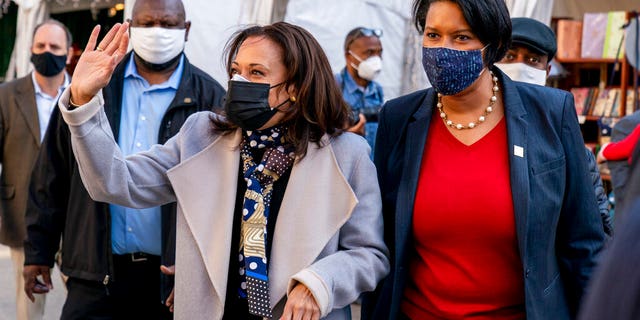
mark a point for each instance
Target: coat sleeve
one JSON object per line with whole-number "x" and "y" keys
{"x": 601, "y": 196}
{"x": 580, "y": 235}
{"x": 137, "y": 181}
{"x": 48, "y": 195}
{"x": 363, "y": 256}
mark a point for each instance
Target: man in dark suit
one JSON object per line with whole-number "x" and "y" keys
{"x": 25, "y": 108}
{"x": 112, "y": 254}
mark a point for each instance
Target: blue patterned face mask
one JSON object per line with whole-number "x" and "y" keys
{"x": 449, "y": 70}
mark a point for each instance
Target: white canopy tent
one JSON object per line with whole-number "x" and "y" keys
{"x": 214, "y": 21}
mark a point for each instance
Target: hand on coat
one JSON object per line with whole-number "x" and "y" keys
{"x": 96, "y": 64}
{"x": 600, "y": 157}
{"x": 301, "y": 305}
{"x": 32, "y": 284}
{"x": 170, "y": 271}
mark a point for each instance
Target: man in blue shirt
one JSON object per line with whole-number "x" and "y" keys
{"x": 112, "y": 254}
{"x": 363, "y": 54}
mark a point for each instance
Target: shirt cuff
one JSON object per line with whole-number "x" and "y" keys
{"x": 79, "y": 115}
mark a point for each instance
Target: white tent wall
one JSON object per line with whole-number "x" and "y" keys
{"x": 537, "y": 9}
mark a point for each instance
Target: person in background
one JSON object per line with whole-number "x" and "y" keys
{"x": 279, "y": 212}
{"x": 619, "y": 170}
{"x": 112, "y": 254}
{"x": 614, "y": 290}
{"x": 25, "y": 109}
{"x": 620, "y": 150}
{"x": 488, "y": 207}
{"x": 533, "y": 46}
{"x": 363, "y": 56}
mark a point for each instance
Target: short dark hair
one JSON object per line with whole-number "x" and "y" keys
{"x": 318, "y": 108}
{"x": 359, "y": 32}
{"x": 59, "y": 24}
{"x": 489, "y": 21}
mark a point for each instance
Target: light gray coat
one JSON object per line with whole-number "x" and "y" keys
{"x": 328, "y": 236}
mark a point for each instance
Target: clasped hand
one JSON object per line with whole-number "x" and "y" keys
{"x": 97, "y": 63}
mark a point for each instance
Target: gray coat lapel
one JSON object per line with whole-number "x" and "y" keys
{"x": 205, "y": 187}
{"x": 25, "y": 100}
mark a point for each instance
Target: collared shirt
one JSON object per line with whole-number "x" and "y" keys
{"x": 360, "y": 98}
{"x": 46, "y": 103}
{"x": 143, "y": 107}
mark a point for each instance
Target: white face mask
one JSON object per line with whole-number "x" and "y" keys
{"x": 525, "y": 73}
{"x": 157, "y": 45}
{"x": 369, "y": 68}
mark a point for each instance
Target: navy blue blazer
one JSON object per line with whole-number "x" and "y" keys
{"x": 558, "y": 226}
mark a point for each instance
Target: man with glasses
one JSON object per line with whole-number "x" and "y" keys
{"x": 363, "y": 55}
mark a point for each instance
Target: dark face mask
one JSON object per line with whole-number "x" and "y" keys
{"x": 247, "y": 104}
{"x": 48, "y": 64}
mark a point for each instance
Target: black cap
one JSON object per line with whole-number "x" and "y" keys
{"x": 534, "y": 34}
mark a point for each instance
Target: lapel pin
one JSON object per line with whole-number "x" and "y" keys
{"x": 187, "y": 100}
{"x": 518, "y": 151}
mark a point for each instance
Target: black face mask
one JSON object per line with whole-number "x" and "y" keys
{"x": 48, "y": 64}
{"x": 247, "y": 104}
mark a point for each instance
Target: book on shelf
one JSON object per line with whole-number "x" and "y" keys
{"x": 600, "y": 103}
{"x": 580, "y": 98}
{"x": 591, "y": 101}
{"x": 614, "y": 34}
{"x": 594, "y": 27}
{"x": 569, "y": 39}
{"x": 610, "y": 104}
{"x": 629, "y": 107}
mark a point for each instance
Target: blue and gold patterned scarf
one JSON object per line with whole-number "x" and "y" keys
{"x": 276, "y": 160}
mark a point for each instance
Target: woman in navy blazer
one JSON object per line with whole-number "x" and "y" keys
{"x": 441, "y": 235}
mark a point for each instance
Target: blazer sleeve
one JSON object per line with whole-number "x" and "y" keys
{"x": 48, "y": 195}
{"x": 580, "y": 235}
{"x": 137, "y": 181}
{"x": 601, "y": 196}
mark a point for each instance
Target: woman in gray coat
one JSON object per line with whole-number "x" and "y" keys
{"x": 279, "y": 209}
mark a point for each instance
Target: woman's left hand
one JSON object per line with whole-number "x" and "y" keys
{"x": 301, "y": 305}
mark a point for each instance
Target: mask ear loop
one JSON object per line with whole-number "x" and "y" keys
{"x": 291, "y": 99}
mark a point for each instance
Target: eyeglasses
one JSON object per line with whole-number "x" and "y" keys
{"x": 370, "y": 32}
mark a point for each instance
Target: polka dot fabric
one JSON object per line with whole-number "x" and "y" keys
{"x": 276, "y": 160}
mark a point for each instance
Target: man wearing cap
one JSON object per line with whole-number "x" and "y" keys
{"x": 363, "y": 54}
{"x": 533, "y": 46}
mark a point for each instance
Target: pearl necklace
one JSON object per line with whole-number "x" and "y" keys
{"x": 481, "y": 119}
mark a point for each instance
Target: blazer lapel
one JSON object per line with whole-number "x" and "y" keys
{"x": 416, "y": 134}
{"x": 317, "y": 202}
{"x": 26, "y": 101}
{"x": 208, "y": 182}
{"x": 517, "y": 127}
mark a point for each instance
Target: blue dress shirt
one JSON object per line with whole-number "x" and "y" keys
{"x": 143, "y": 107}
{"x": 359, "y": 98}
{"x": 45, "y": 103}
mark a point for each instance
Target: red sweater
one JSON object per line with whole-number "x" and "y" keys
{"x": 466, "y": 262}
{"x": 622, "y": 149}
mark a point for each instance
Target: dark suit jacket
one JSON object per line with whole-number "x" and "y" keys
{"x": 558, "y": 226}
{"x": 20, "y": 142}
{"x": 620, "y": 169}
